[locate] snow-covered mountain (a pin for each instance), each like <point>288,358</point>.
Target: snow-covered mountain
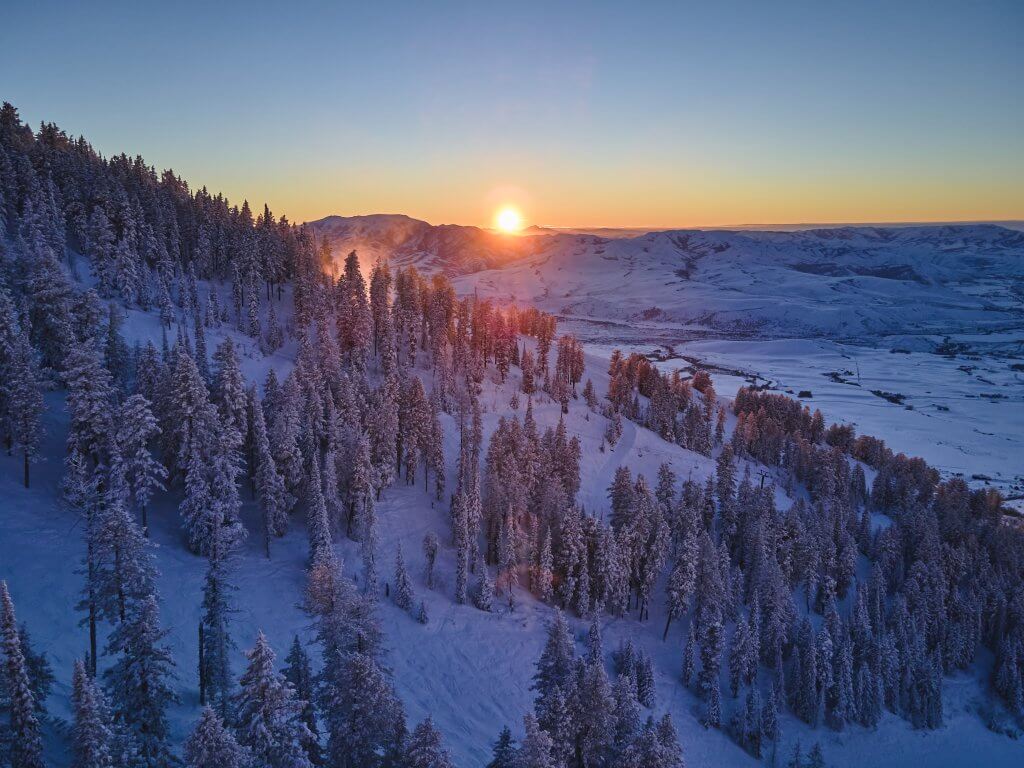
<point>847,283</point>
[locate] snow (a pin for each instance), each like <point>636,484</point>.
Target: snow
<point>470,670</point>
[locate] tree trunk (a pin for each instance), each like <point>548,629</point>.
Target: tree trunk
<point>92,638</point>
<point>664,635</point>
<point>202,668</point>
<point>145,521</point>
<point>26,469</point>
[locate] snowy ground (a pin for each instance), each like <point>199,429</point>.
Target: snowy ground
<point>469,670</point>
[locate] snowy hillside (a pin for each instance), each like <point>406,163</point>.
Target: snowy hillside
<point>840,284</point>
<point>264,509</point>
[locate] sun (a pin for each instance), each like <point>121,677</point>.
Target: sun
<point>508,219</point>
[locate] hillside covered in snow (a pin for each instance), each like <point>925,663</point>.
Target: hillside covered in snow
<point>481,501</point>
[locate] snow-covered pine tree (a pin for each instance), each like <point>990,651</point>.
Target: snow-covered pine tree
<point>212,745</point>
<point>363,715</point>
<point>483,598</point>
<point>229,392</point>
<point>425,750</point>
<point>430,555</point>
<point>434,452</point>
<point>321,544</point>
<point>536,749</point>
<point>299,673</point>
<point>89,400</point>
<point>23,400</point>
<point>139,682</point>
<point>91,734</point>
<point>504,752</point>
<point>26,750</point>
<point>270,488</point>
<point>215,671</point>
<point>267,714</point>
<point>144,475</point>
<point>404,597</point>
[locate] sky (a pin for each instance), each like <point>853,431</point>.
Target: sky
<point>621,114</point>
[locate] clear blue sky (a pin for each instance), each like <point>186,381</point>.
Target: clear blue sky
<point>617,114</point>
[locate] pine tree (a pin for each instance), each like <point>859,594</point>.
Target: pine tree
<point>645,681</point>
<point>212,745</point>
<point>24,400</point>
<point>430,554</point>
<point>545,571</point>
<point>537,746</point>
<point>435,450</point>
<point>270,488</point>
<point>404,598</point>
<point>424,749</point>
<point>26,742</point>
<point>143,475</point>
<point>321,544</point>
<point>688,654</point>
<point>484,596</point>
<point>627,713</point>
<point>274,336</point>
<point>229,392</point>
<point>217,644</point>
<point>89,399</point>
<point>299,674</point>
<point>267,715</point>
<point>621,495</point>
<point>91,733</point>
<point>554,667</point>
<point>363,716</point>
<point>139,682</point>
<point>503,754</point>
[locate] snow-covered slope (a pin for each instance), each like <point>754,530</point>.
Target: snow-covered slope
<point>841,283</point>
<point>469,670</point>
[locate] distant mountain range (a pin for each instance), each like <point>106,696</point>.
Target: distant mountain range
<point>845,282</point>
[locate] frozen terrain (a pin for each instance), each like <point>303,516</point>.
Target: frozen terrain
<point>471,671</point>
<point>931,315</point>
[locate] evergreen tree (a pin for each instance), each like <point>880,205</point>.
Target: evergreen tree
<point>89,400</point>
<point>404,598</point>
<point>270,488</point>
<point>364,717</point>
<point>215,672</point>
<point>430,554</point>
<point>26,749</point>
<point>212,745</point>
<point>299,674</point>
<point>144,475</point>
<point>424,749</point>
<point>23,400</point>
<point>503,753</point>
<point>139,682</point>
<point>484,597</point>
<point>537,747</point>
<point>91,734</point>
<point>267,714</point>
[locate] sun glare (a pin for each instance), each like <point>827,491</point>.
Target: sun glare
<point>508,219</point>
